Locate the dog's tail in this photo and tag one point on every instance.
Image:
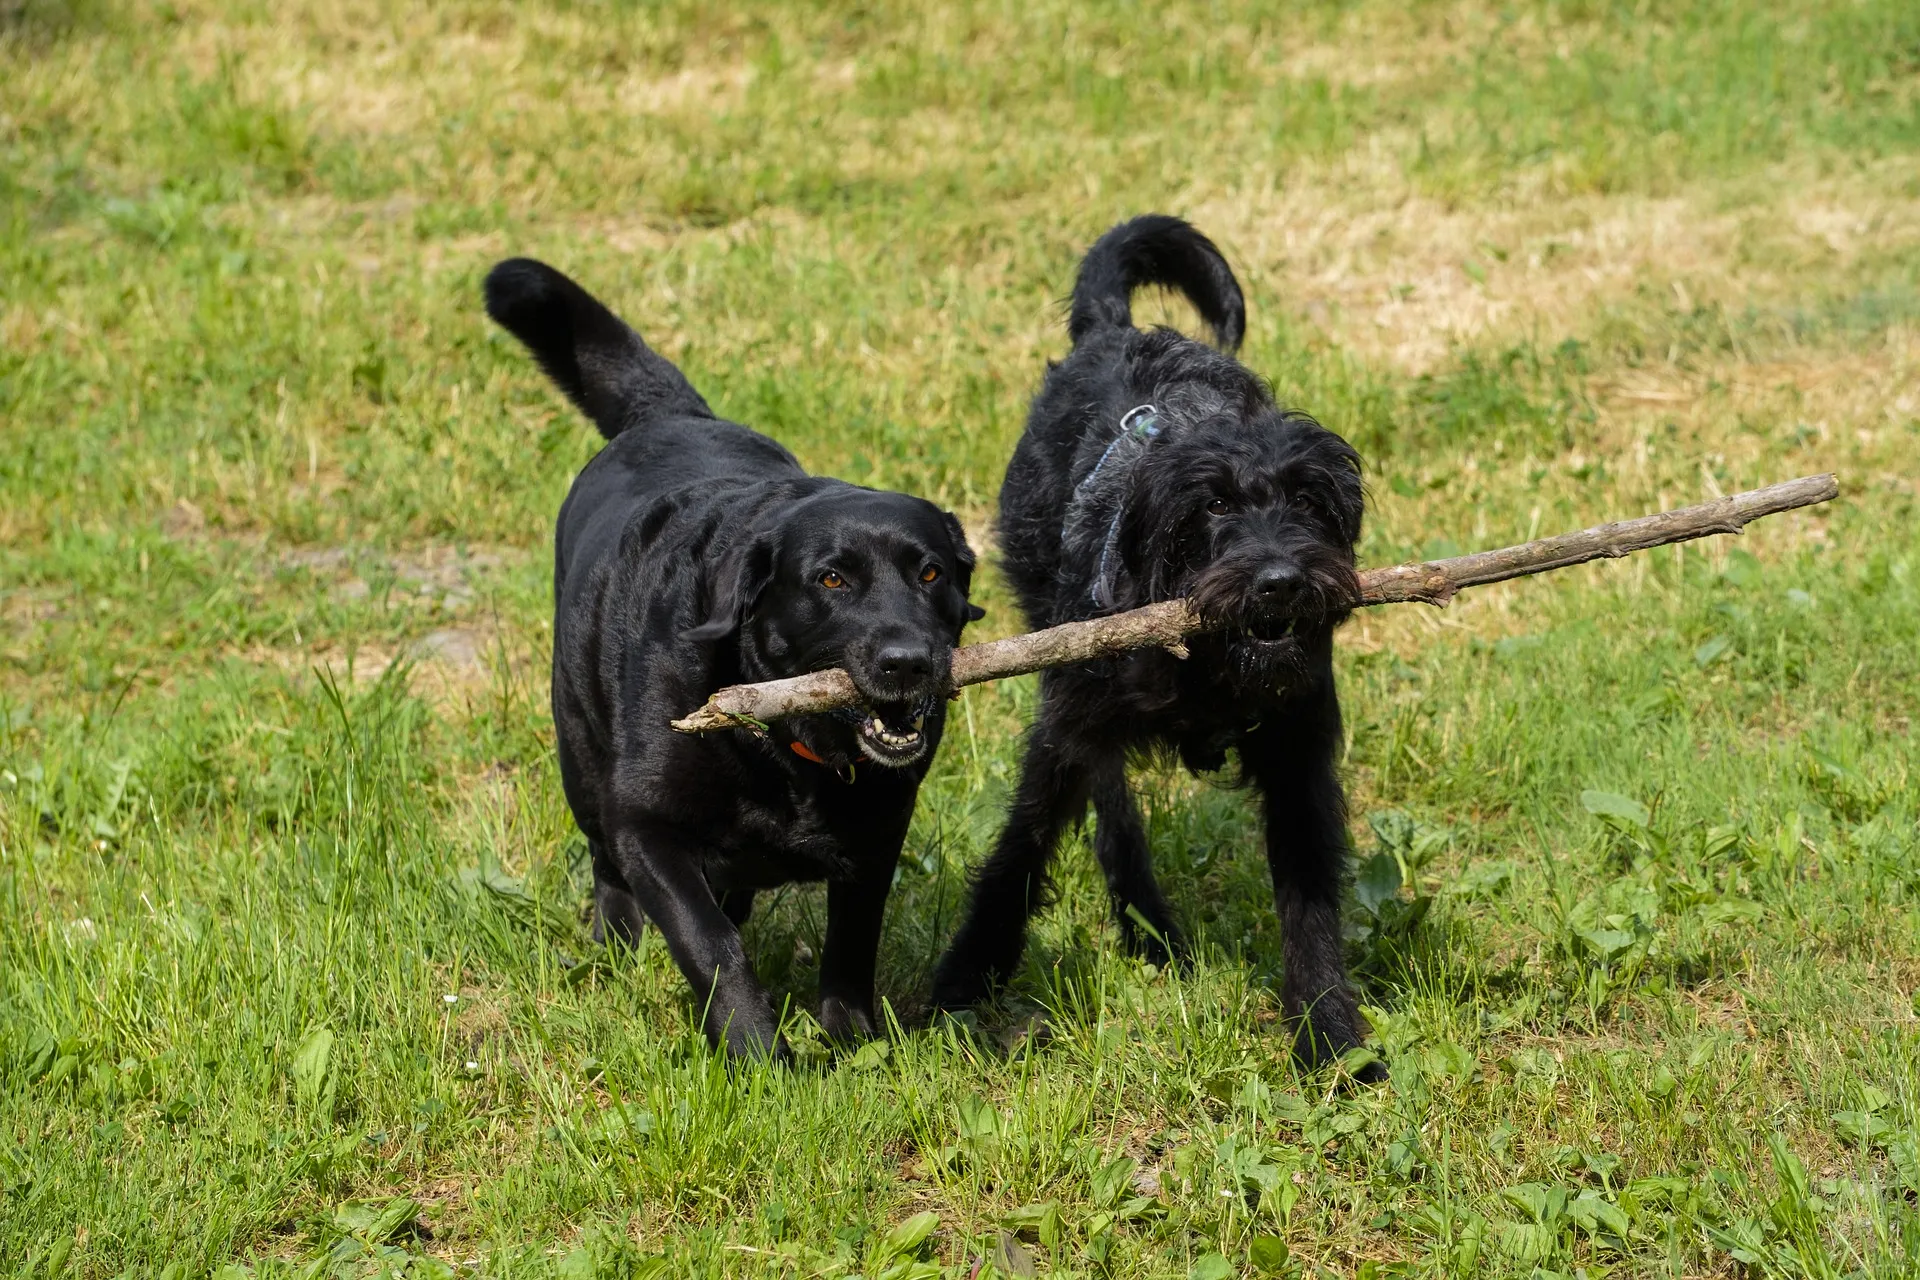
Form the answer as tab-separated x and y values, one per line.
1156	248
602	365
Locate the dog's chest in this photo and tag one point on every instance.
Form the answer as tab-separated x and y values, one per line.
1192	706
779	835
766	846
1171	694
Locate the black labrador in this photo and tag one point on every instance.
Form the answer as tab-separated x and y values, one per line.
694	553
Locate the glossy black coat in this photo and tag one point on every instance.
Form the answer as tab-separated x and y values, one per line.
694	553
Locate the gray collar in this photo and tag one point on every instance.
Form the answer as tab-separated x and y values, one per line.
1138	425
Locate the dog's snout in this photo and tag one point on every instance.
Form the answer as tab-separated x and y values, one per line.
1278	583
906	664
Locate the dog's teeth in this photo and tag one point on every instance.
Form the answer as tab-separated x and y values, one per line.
883	735
889	738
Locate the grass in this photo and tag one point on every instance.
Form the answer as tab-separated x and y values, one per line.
293	970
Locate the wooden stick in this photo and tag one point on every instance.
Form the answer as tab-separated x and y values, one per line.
1166	625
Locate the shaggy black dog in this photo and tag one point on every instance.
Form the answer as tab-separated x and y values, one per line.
1154	468
694	553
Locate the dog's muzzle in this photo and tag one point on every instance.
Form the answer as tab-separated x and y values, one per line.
892	735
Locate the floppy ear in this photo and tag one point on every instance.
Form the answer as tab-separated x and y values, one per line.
737	584
1342	480
963	553
1356	505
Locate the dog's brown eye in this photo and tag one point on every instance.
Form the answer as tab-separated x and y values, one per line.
832	580
1218	507
930	574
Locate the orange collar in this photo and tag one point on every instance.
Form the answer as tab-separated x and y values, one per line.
806	753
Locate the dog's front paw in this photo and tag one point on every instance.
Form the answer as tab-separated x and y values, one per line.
745	1028
1317	1052
959	985
976	964
742	1050
1372	1071
618	920
844	1020
1165	947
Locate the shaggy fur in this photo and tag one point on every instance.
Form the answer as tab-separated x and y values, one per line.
1154	468
694	553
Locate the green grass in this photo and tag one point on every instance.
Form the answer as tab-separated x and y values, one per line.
1636	920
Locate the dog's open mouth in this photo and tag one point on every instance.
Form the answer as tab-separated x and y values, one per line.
892	736
1273	632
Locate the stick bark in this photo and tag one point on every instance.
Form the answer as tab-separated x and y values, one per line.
1166	625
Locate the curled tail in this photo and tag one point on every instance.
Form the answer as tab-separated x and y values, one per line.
1156	248
602	365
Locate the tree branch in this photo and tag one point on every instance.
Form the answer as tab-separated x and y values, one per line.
1166	625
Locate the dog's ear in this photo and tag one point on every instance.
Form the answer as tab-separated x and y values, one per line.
743	574
1348	484
963	554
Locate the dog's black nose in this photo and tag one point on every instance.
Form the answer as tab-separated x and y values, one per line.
905	663
1278	583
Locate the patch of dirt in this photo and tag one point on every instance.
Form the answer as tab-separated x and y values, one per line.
454	646
450	666
460	659
26	608
703	89
440	572
182	520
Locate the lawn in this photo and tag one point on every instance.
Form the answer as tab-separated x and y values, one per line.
295	976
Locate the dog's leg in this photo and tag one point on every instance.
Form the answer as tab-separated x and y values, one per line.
1011	885
617	918
738	905
664	875
855	909
1120	842
1292	762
